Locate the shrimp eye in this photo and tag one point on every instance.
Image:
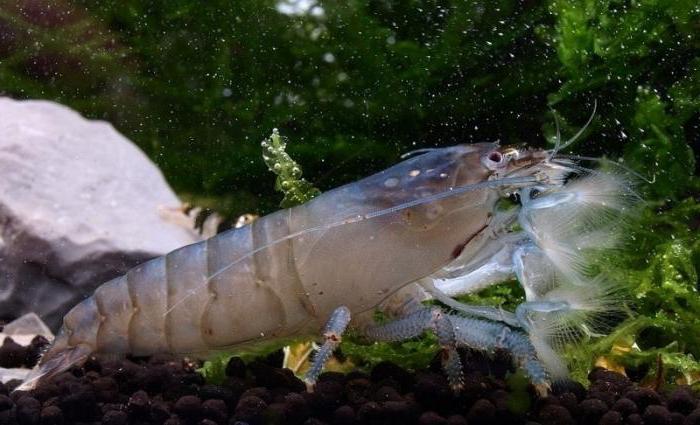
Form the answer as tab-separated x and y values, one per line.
494	160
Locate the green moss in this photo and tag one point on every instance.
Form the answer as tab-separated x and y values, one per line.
660	271
214	369
289	181
413	354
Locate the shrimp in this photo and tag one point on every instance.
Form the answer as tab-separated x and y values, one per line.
428	220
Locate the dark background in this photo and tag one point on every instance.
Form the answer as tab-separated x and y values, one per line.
354	84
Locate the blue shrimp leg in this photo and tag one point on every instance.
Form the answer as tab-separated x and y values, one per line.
414	325
451	363
338	322
488	336
455	331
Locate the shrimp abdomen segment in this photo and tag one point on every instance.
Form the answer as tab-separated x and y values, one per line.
187	271
114	304
82	323
208	295
255	298
147	288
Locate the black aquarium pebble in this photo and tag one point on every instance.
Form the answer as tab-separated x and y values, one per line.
163	390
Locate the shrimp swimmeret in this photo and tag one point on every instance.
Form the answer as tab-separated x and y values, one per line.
430	221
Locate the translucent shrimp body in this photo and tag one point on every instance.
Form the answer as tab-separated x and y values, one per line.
432	217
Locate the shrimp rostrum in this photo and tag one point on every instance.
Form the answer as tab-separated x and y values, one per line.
433	222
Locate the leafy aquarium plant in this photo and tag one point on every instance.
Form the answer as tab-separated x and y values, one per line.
355	84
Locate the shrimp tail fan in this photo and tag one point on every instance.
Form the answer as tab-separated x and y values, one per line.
59	358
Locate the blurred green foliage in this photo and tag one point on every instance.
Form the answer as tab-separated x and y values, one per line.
198	84
356	83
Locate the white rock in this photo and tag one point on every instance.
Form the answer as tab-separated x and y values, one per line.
19	374
23	329
79	204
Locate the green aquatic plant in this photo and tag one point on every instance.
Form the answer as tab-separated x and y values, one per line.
657	272
664	290
640	61
413	354
296	190
214	369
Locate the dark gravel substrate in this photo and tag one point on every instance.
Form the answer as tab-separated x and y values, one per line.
163	390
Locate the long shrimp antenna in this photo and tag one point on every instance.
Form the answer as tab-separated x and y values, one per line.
558	146
416	152
453	191
557	141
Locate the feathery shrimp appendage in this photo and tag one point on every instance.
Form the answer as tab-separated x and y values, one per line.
568	297
566	315
568	312
573	223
